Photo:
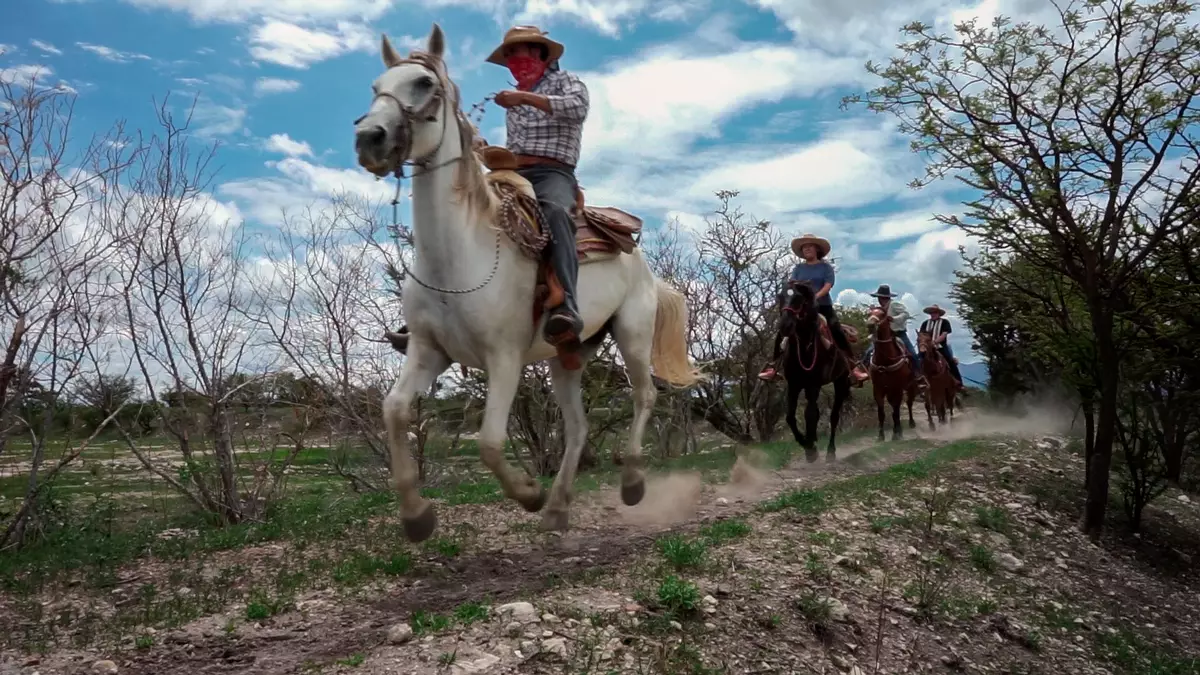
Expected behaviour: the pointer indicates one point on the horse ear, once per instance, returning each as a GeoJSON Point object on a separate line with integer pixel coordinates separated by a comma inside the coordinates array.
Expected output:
{"type": "Point", "coordinates": [437, 41]}
{"type": "Point", "coordinates": [390, 56]}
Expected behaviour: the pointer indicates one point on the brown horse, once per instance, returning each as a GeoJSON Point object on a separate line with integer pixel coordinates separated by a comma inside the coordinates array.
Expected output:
{"type": "Point", "coordinates": [942, 386]}
{"type": "Point", "coordinates": [891, 375]}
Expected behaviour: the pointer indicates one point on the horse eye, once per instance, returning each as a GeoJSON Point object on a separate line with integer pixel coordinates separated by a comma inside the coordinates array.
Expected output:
{"type": "Point", "coordinates": [424, 82]}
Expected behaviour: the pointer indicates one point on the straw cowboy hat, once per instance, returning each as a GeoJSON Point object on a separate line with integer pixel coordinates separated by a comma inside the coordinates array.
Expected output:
{"type": "Point", "coordinates": [526, 34]}
{"type": "Point", "coordinates": [821, 244]}
{"type": "Point", "coordinates": [934, 310]}
{"type": "Point", "coordinates": [884, 291]}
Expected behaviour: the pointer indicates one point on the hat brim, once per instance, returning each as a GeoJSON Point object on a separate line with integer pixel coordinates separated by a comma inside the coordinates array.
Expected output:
{"type": "Point", "coordinates": [884, 295]}
{"type": "Point", "coordinates": [821, 244]}
{"type": "Point", "coordinates": [554, 49]}
{"type": "Point", "coordinates": [934, 310]}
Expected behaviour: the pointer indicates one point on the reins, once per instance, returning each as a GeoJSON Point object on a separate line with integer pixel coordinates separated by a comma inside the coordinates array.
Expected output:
{"type": "Point", "coordinates": [404, 131]}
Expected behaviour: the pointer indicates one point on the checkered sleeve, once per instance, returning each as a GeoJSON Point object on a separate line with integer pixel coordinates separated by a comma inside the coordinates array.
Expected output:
{"type": "Point", "coordinates": [572, 103]}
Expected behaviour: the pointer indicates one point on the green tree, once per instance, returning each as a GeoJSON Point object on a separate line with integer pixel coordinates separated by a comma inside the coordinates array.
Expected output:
{"type": "Point", "coordinates": [1079, 143]}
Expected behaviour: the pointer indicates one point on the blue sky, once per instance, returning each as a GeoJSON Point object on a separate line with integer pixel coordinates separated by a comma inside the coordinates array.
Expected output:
{"type": "Point", "coordinates": [688, 97]}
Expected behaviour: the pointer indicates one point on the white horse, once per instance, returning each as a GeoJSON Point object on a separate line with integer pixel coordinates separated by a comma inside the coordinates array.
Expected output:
{"type": "Point", "coordinates": [470, 296]}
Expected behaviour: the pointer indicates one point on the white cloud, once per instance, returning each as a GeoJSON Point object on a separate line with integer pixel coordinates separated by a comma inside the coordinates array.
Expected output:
{"type": "Point", "coordinates": [291, 45]}
{"type": "Point", "coordinates": [651, 106]}
{"type": "Point", "coordinates": [110, 54]}
{"type": "Point", "coordinates": [287, 10]}
{"type": "Point", "coordinates": [284, 144]}
{"type": "Point", "coordinates": [28, 75]}
{"type": "Point", "coordinates": [274, 85]}
{"type": "Point", "coordinates": [46, 47]}
{"type": "Point", "coordinates": [301, 185]}
{"type": "Point", "coordinates": [212, 119]}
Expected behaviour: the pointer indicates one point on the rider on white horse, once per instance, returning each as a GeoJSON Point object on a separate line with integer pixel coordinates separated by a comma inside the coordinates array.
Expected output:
{"type": "Point", "coordinates": [544, 129]}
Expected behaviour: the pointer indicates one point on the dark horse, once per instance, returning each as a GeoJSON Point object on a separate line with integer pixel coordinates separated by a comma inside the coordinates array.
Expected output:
{"type": "Point", "coordinates": [942, 386]}
{"type": "Point", "coordinates": [811, 360]}
{"type": "Point", "coordinates": [891, 374]}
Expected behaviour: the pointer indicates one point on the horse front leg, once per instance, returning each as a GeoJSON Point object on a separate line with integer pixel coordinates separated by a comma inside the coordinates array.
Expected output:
{"type": "Point", "coordinates": [568, 392]}
{"type": "Point", "coordinates": [929, 410]}
{"type": "Point", "coordinates": [841, 391]}
{"type": "Point", "coordinates": [812, 416]}
{"type": "Point", "coordinates": [897, 429]}
{"type": "Point", "coordinates": [879, 408]}
{"type": "Point", "coordinates": [504, 376]}
{"type": "Point", "coordinates": [793, 399]}
{"type": "Point", "coordinates": [421, 367]}
{"type": "Point", "coordinates": [912, 396]}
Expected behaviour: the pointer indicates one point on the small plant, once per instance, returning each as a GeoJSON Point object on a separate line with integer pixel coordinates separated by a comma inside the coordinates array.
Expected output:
{"type": "Point", "coordinates": [678, 596]}
{"type": "Point", "coordinates": [354, 660]}
{"type": "Point", "coordinates": [725, 530]}
{"type": "Point", "coordinates": [447, 659]}
{"type": "Point", "coordinates": [447, 548]}
{"type": "Point", "coordinates": [992, 518]}
{"type": "Point", "coordinates": [424, 623]}
{"type": "Point", "coordinates": [470, 612]}
{"type": "Point", "coordinates": [982, 559]}
{"type": "Point", "coordinates": [143, 641]}
{"type": "Point", "coordinates": [817, 610]}
{"type": "Point", "coordinates": [682, 553]}
{"type": "Point", "coordinates": [807, 502]}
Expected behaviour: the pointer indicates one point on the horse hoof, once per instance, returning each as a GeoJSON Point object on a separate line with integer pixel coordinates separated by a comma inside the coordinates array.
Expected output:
{"type": "Point", "coordinates": [632, 494]}
{"type": "Point", "coordinates": [534, 505]}
{"type": "Point", "coordinates": [912, 425]}
{"type": "Point", "coordinates": [810, 455]}
{"type": "Point", "coordinates": [418, 528]}
{"type": "Point", "coordinates": [830, 455]}
{"type": "Point", "coordinates": [555, 520]}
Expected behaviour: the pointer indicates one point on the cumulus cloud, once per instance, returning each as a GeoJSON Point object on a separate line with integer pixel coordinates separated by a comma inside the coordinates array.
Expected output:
{"type": "Point", "coordinates": [275, 85]}
{"type": "Point", "coordinates": [294, 46]}
{"type": "Point", "coordinates": [298, 185]}
{"type": "Point", "coordinates": [286, 145]}
{"type": "Point", "coordinates": [213, 119]}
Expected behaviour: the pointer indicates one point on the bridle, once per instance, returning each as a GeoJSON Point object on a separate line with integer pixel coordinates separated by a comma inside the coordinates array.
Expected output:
{"type": "Point", "coordinates": [895, 365]}
{"type": "Point", "coordinates": [798, 315]}
{"type": "Point", "coordinates": [404, 131]}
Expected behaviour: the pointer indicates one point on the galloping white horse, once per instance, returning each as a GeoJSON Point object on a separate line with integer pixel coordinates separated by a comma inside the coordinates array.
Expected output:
{"type": "Point", "coordinates": [471, 293]}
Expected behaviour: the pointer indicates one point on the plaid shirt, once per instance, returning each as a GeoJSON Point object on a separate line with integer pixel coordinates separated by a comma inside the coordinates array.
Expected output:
{"type": "Point", "coordinates": [557, 136]}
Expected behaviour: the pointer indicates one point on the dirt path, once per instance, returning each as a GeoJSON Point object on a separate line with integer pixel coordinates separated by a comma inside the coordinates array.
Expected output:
{"type": "Point", "coordinates": [604, 535]}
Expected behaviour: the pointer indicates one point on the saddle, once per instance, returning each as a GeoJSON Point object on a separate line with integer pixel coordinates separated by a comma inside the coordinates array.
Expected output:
{"type": "Point", "coordinates": [601, 232]}
{"type": "Point", "coordinates": [827, 335]}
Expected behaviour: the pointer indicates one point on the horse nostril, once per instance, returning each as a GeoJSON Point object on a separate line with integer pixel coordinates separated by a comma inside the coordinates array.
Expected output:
{"type": "Point", "coordinates": [370, 136]}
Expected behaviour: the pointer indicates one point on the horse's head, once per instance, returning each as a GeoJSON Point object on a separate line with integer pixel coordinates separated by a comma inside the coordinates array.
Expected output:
{"type": "Point", "coordinates": [798, 303]}
{"type": "Point", "coordinates": [924, 341]}
{"type": "Point", "coordinates": [878, 324]}
{"type": "Point", "coordinates": [407, 117]}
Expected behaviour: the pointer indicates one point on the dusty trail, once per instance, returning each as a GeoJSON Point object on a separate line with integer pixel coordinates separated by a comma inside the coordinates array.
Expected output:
{"type": "Point", "coordinates": [604, 534]}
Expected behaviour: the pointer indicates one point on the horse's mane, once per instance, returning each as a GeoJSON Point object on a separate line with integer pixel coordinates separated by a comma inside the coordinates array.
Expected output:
{"type": "Point", "coordinates": [469, 179]}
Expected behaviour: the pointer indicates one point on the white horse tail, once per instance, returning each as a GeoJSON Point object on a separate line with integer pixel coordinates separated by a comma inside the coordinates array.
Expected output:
{"type": "Point", "coordinates": [669, 356]}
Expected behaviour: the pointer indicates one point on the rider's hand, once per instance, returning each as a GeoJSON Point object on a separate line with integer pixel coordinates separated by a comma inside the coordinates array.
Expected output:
{"type": "Point", "coordinates": [510, 98]}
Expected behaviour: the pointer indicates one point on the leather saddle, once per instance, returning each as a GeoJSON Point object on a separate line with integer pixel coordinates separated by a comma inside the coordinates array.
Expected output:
{"type": "Point", "coordinates": [600, 231]}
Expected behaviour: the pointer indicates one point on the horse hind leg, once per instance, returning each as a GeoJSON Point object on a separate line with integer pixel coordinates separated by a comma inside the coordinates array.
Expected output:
{"type": "Point", "coordinates": [420, 369]}
{"type": "Point", "coordinates": [504, 377]}
{"type": "Point", "coordinates": [568, 392]}
{"type": "Point", "coordinates": [910, 396]}
{"type": "Point", "coordinates": [633, 329]}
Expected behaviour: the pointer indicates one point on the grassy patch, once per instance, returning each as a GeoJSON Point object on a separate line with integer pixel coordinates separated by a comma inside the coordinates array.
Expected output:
{"type": "Point", "coordinates": [1136, 656]}
{"type": "Point", "coordinates": [682, 552]}
{"type": "Point", "coordinates": [678, 596]}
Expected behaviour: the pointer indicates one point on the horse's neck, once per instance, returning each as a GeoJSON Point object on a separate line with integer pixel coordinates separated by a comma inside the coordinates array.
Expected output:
{"type": "Point", "coordinates": [446, 238]}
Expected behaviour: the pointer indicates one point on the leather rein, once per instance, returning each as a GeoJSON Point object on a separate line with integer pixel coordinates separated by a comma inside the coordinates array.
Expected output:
{"type": "Point", "coordinates": [404, 130]}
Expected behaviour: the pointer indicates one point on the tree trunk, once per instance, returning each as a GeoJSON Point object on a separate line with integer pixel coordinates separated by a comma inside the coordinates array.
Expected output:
{"type": "Point", "coordinates": [1106, 422]}
{"type": "Point", "coordinates": [1089, 434]}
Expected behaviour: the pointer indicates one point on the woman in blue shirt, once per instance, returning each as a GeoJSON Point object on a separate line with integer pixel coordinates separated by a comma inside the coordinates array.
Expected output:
{"type": "Point", "coordinates": [817, 273]}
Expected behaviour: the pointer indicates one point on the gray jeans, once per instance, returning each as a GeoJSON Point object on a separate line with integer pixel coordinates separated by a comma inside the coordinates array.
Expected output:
{"type": "Point", "coordinates": [555, 188]}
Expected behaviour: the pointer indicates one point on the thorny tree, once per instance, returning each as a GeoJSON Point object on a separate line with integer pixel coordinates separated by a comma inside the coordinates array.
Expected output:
{"type": "Point", "coordinates": [52, 260]}
{"type": "Point", "coordinates": [1080, 141]}
{"type": "Point", "coordinates": [181, 277]}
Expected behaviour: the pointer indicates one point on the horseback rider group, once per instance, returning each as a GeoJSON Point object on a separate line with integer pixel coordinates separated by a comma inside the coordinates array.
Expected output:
{"type": "Point", "coordinates": [815, 271]}
{"type": "Point", "coordinates": [544, 127]}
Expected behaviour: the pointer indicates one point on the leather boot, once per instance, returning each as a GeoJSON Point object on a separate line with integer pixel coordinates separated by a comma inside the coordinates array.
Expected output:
{"type": "Point", "coordinates": [564, 323]}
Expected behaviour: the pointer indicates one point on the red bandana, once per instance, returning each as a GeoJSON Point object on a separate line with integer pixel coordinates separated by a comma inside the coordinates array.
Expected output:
{"type": "Point", "coordinates": [527, 70]}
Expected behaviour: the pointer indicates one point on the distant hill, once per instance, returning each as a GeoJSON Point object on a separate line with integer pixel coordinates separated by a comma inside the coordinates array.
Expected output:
{"type": "Point", "coordinates": [974, 374]}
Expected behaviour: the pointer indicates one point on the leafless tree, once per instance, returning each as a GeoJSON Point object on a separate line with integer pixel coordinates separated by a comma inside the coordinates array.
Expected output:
{"type": "Point", "coordinates": [53, 259]}
{"type": "Point", "coordinates": [182, 274]}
